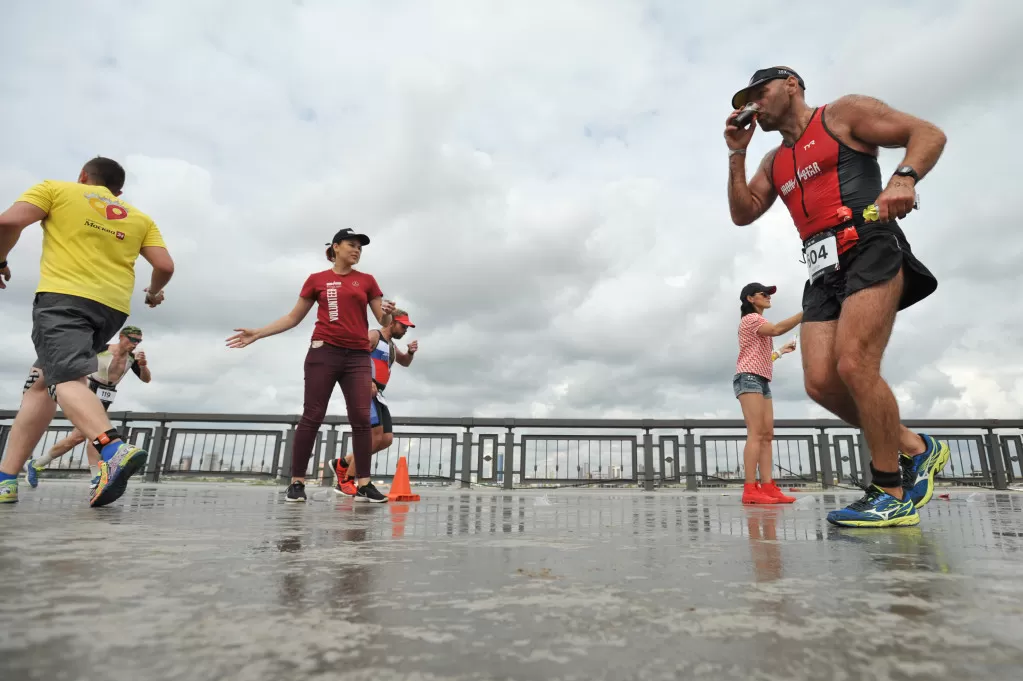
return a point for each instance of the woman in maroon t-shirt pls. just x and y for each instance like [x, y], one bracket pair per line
[339, 353]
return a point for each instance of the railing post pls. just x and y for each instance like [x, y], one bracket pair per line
[1005, 444]
[315, 458]
[326, 476]
[824, 448]
[343, 454]
[509, 458]
[156, 453]
[864, 458]
[997, 463]
[691, 482]
[648, 461]
[467, 458]
[169, 453]
[275, 470]
[665, 478]
[284, 472]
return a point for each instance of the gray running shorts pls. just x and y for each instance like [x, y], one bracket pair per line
[68, 331]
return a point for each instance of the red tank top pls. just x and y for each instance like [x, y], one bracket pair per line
[818, 175]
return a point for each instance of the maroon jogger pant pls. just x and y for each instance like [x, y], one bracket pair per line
[325, 367]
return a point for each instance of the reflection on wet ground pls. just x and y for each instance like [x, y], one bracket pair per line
[205, 581]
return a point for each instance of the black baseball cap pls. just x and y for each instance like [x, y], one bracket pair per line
[759, 78]
[349, 233]
[755, 288]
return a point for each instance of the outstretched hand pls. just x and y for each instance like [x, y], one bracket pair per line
[788, 347]
[242, 338]
[387, 307]
[5, 275]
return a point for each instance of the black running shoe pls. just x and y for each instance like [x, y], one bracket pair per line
[370, 493]
[296, 492]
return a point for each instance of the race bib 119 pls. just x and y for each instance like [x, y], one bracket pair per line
[106, 394]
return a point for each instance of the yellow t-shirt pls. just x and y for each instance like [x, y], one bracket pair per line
[91, 240]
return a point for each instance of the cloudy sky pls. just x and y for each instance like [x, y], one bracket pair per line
[544, 184]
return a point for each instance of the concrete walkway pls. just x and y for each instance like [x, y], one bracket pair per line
[226, 581]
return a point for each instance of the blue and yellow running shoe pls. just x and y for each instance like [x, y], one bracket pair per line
[115, 472]
[32, 473]
[918, 471]
[877, 508]
[8, 491]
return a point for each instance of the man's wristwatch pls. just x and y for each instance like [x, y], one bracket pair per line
[907, 171]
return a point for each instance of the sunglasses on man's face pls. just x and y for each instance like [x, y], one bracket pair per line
[134, 339]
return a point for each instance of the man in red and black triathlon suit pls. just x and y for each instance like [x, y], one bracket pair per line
[860, 272]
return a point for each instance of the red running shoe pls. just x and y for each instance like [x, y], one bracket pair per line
[343, 484]
[753, 494]
[771, 489]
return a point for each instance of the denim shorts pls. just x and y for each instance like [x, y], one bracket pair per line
[751, 383]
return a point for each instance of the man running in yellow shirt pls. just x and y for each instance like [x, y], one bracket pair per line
[91, 240]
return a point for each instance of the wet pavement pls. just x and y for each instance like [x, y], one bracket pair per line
[226, 581]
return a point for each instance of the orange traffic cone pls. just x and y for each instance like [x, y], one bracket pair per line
[401, 490]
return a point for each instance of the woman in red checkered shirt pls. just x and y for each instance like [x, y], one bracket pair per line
[752, 386]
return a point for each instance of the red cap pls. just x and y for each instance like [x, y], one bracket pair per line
[405, 320]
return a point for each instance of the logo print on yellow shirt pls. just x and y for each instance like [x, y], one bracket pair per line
[111, 210]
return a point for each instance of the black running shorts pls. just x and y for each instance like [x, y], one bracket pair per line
[875, 258]
[380, 415]
[68, 331]
[96, 386]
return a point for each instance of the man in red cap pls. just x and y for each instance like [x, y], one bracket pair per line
[383, 354]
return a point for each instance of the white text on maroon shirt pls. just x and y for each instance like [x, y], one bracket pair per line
[332, 300]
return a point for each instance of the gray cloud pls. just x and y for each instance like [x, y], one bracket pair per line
[544, 187]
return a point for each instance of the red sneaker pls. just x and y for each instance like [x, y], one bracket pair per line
[753, 494]
[771, 490]
[343, 483]
[347, 487]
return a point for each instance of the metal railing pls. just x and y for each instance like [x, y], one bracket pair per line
[510, 453]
